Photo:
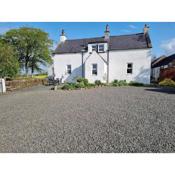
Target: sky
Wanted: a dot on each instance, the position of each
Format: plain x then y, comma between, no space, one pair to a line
162,34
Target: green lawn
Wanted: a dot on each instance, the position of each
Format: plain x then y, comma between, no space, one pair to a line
42,76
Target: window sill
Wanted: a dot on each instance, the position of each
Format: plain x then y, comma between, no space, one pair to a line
101,52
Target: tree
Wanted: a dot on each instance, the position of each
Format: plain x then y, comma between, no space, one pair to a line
33,47
9,65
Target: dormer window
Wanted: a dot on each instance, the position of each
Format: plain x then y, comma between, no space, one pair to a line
94,47
97,47
101,48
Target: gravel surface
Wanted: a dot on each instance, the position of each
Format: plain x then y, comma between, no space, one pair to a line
123,119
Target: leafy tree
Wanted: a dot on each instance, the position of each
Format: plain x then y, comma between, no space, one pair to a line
33,47
9,65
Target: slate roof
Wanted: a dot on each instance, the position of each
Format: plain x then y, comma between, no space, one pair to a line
161,61
122,42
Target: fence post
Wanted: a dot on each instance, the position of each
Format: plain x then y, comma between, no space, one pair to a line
2,86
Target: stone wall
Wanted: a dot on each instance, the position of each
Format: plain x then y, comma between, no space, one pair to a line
19,84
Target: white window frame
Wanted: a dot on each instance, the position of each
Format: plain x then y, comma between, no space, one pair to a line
129,68
69,69
102,49
95,69
95,47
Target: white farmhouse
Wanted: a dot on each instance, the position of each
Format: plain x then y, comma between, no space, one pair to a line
126,57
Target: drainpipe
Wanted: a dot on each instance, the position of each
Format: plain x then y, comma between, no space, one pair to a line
108,66
82,65
83,50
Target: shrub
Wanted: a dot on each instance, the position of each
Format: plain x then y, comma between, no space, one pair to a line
69,86
122,83
115,81
134,83
90,85
84,80
98,82
66,87
79,85
119,83
167,82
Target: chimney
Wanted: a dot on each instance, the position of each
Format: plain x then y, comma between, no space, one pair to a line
146,29
107,33
62,36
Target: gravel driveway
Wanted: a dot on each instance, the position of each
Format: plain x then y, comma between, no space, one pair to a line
124,119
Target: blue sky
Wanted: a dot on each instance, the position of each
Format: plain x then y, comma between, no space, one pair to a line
162,34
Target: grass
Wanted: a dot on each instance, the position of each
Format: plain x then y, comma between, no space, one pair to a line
40,76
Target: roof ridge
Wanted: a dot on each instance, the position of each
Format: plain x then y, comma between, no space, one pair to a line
103,37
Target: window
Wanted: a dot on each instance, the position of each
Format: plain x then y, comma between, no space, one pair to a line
94,69
101,47
69,69
129,68
94,47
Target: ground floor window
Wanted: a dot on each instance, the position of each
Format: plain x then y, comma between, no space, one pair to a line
94,69
129,68
69,69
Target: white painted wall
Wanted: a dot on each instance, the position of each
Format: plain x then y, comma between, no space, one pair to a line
60,62
94,58
141,59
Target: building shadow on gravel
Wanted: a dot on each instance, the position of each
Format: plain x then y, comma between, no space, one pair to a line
162,90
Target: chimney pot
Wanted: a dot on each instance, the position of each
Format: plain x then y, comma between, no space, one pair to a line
146,29
107,32
62,36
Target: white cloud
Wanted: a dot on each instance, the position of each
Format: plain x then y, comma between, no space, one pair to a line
132,26
129,29
168,46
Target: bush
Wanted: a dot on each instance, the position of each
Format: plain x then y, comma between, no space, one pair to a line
115,81
69,86
122,83
79,85
119,83
167,82
134,83
98,82
66,87
84,80
90,85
